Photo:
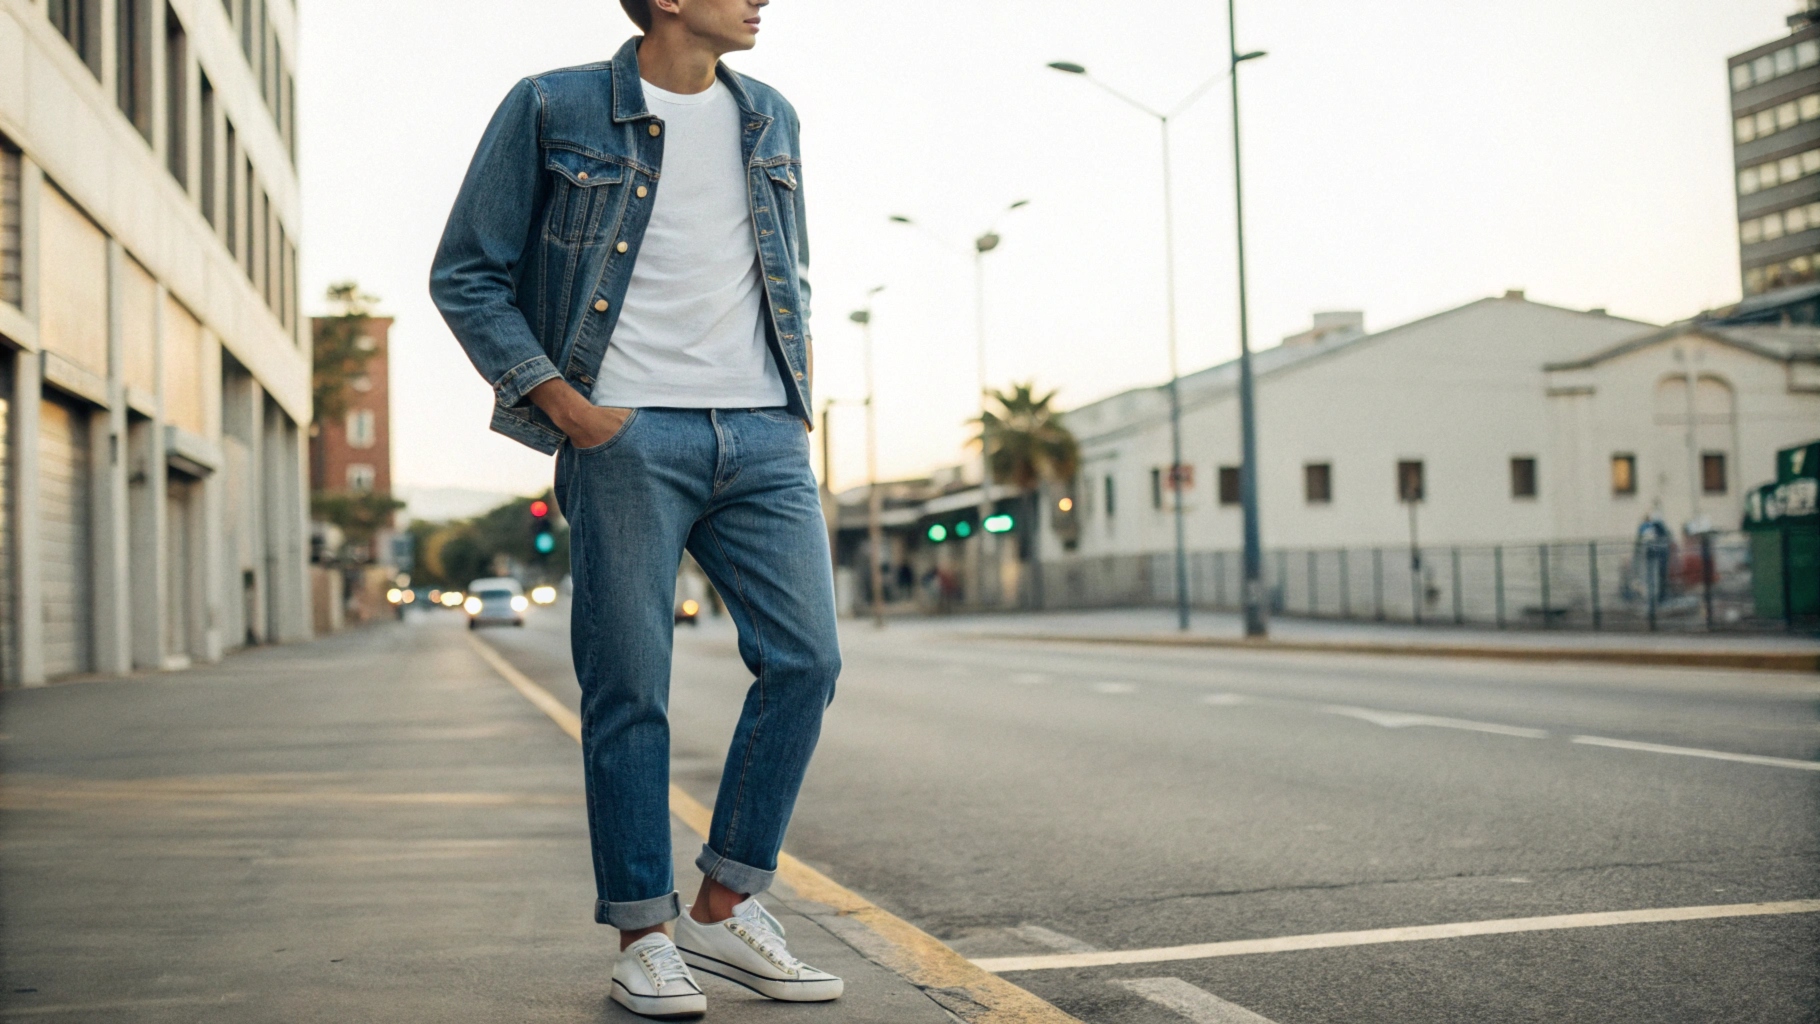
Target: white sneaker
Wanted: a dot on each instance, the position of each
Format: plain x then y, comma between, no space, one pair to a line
651,980
748,948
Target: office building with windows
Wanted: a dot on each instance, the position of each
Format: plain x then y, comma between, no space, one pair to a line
1775,90
156,371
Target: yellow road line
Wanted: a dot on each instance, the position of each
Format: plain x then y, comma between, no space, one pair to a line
922,959
1421,933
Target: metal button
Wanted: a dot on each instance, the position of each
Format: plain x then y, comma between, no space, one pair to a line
622,247
643,192
583,176
799,376
600,306
656,130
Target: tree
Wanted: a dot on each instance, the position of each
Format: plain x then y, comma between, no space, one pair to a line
1025,441
339,353
359,515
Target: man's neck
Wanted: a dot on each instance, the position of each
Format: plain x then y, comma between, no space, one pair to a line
675,61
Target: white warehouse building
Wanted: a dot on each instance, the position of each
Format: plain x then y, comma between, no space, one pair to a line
1515,421
154,369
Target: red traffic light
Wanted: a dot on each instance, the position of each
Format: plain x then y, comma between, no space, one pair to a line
540,509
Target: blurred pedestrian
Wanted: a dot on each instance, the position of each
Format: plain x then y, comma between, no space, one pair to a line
624,267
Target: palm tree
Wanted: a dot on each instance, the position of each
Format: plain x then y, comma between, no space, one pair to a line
1025,441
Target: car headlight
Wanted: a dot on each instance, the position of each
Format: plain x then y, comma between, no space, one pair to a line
544,595
520,603
473,606
395,596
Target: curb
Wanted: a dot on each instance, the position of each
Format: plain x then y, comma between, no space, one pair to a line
1767,661
955,983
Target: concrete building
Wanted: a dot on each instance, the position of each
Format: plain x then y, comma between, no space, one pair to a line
155,369
1776,146
1510,420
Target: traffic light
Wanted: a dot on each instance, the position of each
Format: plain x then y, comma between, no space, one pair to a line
938,533
543,533
1001,523
963,529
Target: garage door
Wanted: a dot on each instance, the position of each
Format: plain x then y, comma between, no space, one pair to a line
64,487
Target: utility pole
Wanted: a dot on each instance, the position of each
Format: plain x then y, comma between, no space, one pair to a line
1177,472
830,505
875,500
1256,624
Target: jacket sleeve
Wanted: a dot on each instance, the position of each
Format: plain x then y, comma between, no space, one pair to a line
473,280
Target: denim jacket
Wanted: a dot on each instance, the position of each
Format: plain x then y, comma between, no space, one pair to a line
534,263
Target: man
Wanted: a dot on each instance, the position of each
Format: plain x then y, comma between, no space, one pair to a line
623,265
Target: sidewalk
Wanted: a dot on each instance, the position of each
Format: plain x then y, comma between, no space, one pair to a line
1777,651
372,827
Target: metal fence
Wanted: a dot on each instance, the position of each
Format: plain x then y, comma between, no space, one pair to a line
1698,583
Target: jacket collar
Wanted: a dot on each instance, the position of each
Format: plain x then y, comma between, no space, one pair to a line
629,89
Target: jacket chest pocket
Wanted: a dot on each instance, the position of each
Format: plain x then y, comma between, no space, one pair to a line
581,189
783,195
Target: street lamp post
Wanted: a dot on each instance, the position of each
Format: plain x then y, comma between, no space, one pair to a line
985,243
875,530
1256,625
1176,473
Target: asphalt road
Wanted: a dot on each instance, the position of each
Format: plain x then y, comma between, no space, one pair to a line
1018,797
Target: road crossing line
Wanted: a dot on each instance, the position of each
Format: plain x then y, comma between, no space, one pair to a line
1379,936
1716,755
1196,1004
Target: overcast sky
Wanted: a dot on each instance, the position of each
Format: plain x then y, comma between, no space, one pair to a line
1402,157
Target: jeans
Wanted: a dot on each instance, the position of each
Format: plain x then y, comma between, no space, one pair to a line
734,489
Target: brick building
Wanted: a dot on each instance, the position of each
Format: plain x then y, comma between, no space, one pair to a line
354,452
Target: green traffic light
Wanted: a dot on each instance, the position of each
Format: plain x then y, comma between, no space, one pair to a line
938,533
546,543
1001,523
963,529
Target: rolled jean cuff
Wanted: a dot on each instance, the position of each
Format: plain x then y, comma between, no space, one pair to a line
642,914
741,878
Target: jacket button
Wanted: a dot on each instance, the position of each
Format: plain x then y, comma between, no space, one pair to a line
583,176
600,305
643,192
622,247
799,376
656,130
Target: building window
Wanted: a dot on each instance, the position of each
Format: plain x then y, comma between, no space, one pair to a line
363,429
1411,485
79,21
176,99
1799,270
361,477
1779,118
210,165
1770,227
12,248
1229,485
230,180
133,67
1623,474
252,222
1771,66
1523,478
1317,483
1771,173
1112,505
1713,479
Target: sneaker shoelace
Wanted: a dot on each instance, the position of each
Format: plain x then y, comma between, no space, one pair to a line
756,925
664,964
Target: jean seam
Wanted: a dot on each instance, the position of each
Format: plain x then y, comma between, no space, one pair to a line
758,639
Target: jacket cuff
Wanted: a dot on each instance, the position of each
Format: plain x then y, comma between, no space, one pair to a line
510,390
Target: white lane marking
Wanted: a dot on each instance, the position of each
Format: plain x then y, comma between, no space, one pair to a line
1114,688
1037,935
1225,700
1405,720
1379,936
1716,755
1196,1004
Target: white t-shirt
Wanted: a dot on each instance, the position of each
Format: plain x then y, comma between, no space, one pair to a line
690,334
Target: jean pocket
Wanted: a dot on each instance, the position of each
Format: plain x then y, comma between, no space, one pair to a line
625,427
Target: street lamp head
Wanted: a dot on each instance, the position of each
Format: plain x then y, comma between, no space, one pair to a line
860,316
1240,58
874,291
1020,204
1068,66
898,218
987,242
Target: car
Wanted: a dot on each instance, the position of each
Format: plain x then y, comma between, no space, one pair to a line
496,600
